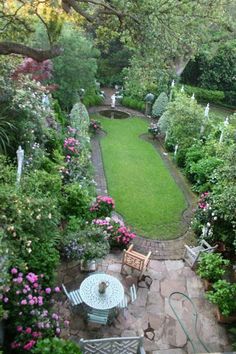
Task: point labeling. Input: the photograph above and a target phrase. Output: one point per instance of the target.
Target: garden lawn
(145, 193)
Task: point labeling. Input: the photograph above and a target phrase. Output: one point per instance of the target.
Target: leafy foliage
(56, 345)
(203, 94)
(72, 75)
(223, 295)
(211, 266)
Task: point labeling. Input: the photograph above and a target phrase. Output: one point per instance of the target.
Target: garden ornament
(182, 88)
(172, 83)
(193, 97)
(20, 159)
(176, 149)
(148, 99)
(226, 123)
(113, 101)
(206, 113)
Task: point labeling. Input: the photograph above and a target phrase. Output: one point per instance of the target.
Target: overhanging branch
(36, 54)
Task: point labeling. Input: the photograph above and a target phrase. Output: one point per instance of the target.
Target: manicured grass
(145, 193)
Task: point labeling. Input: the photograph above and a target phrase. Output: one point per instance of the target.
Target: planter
(224, 319)
(88, 266)
(207, 284)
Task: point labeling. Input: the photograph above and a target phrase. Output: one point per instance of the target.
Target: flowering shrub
(56, 345)
(103, 206)
(71, 146)
(94, 126)
(204, 217)
(154, 130)
(29, 312)
(118, 234)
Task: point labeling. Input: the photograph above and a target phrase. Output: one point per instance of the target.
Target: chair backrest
(97, 318)
(65, 291)
(131, 345)
(134, 259)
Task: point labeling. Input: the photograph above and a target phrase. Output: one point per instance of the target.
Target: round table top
(90, 295)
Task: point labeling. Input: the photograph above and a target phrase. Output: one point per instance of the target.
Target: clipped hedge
(160, 104)
(202, 94)
(92, 100)
(133, 103)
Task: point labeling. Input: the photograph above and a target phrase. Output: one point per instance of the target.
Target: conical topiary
(160, 105)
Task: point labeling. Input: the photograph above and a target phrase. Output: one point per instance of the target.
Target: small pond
(114, 114)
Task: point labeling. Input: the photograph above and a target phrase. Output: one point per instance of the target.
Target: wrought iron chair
(98, 316)
(135, 260)
(73, 296)
(192, 254)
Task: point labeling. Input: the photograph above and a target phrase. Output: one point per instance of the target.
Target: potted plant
(211, 268)
(93, 250)
(223, 295)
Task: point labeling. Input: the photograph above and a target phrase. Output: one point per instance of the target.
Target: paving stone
(195, 287)
(155, 286)
(169, 351)
(169, 286)
(177, 305)
(174, 265)
(156, 321)
(114, 267)
(142, 294)
(128, 333)
(158, 307)
(175, 333)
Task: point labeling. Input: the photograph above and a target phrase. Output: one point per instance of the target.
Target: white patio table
(89, 291)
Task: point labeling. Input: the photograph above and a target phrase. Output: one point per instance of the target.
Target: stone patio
(151, 314)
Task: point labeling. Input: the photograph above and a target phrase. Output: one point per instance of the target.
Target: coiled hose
(195, 315)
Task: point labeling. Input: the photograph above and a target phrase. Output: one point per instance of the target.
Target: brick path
(170, 249)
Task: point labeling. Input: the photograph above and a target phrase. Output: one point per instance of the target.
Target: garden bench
(192, 254)
(121, 345)
(135, 260)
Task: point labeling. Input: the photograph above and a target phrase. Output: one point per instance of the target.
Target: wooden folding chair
(135, 260)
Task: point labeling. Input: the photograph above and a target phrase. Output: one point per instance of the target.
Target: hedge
(133, 103)
(202, 94)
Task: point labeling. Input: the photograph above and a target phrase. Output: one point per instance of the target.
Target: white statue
(182, 88)
(193, 97)
(226, 123)
(176, 149)
(113, 101)
(206, 113)
(173, 83)
(45, 100)
(20, 159)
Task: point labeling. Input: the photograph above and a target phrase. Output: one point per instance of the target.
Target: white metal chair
(98, 316)
(73, 296)
(192, 254)
(133, 293)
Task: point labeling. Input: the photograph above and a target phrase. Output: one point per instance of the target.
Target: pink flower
(57, 289)
(31, 302)
(28, 330)
(29, 345)
(19, 280)
(19, 328)
(58, 331)
(35, 285)
(15, 345)
(5, 299)
(23, 302)
(66, 323)
(48, 290)
(14, 271)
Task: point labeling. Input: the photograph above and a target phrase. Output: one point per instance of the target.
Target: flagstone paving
(151, 314)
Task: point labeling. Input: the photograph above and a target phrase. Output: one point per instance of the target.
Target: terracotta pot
(207, 284)
(224, 319)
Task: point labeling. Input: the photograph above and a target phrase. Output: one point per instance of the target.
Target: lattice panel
(133, 262)
(126, 346)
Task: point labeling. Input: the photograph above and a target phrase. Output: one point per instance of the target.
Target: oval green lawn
(145, 193)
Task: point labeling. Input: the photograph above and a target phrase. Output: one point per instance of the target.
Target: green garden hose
(195, 315)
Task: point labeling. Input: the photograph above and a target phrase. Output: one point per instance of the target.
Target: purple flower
(57, 289)
(5, 299)
(23, 302)
(19, 280)
(31, 302)
(58, 331)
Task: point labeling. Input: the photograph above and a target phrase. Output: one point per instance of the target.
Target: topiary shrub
(160, 105)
